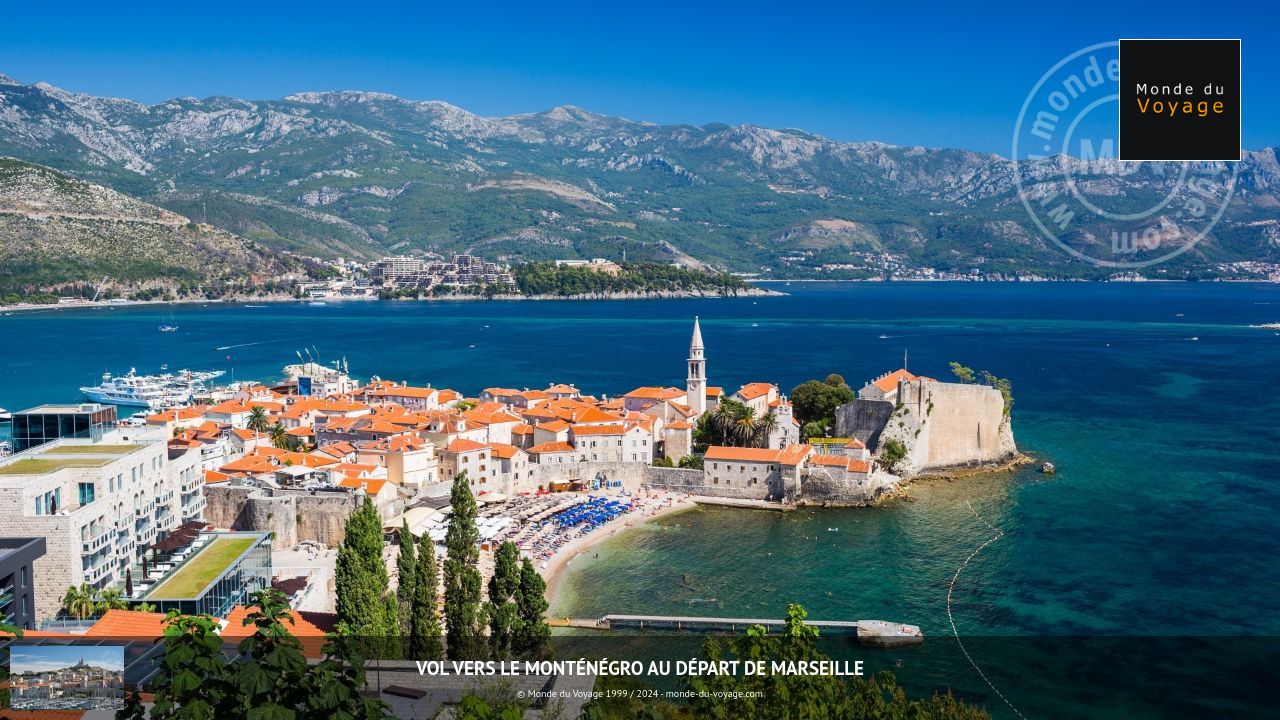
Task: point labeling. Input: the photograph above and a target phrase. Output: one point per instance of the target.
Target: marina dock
(876, 633)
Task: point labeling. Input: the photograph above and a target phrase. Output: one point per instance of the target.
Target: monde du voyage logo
(1174, 134)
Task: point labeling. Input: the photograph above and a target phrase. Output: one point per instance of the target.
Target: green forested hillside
(58, 232)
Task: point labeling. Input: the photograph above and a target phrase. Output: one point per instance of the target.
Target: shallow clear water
(1160, 521)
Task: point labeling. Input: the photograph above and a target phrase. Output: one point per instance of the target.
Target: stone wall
(273, 514)
(224, 504)
(823, 486)
(695, 482)
(864, 420)
(942, 425)
(322, 517)
(295, 516)
(632, 474)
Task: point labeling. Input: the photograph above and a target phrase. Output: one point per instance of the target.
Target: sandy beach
(656, 505)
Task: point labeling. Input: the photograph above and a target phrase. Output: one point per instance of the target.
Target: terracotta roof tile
(889, 382)
(128, 624)
(461, 445)
(550, 447)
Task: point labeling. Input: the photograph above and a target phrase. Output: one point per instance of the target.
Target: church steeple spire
(696, 386)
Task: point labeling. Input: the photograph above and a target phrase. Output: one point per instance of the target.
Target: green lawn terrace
(66, 456)
(216, 573)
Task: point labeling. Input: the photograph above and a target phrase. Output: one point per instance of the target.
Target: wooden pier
(879, 633)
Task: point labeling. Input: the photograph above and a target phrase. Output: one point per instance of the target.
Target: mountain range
(360, 175)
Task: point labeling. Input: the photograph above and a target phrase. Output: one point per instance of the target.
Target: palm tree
(111, 599)
(280, 437)
(764, 427)
(79, 601)
(735, 424)
(258, 420)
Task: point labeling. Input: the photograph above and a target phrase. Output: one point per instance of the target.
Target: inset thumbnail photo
(65, 677)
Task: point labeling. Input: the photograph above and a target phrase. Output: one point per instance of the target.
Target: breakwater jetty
(875, 633)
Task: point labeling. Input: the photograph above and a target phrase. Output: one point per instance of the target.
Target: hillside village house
(775, 471)
(410, 461)
(613, 442)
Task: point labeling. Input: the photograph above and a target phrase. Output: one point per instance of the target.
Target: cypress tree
(532, 639)
(407, 567)
(464, 636)
(503, 611)
(424, 619)
(360, 577)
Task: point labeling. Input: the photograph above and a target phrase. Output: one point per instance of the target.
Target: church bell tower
(696, 386)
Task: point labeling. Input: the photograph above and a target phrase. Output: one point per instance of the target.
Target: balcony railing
(193, 508)
(193, 484)
(145, 509)
(96, 542)
(99, 571)
(165, 497)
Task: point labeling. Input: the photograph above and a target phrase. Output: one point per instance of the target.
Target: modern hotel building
(99, 503)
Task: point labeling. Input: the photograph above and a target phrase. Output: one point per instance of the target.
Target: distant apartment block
(403, 272)
(98, 503)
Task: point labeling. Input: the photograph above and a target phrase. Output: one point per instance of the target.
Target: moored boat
(149, 391)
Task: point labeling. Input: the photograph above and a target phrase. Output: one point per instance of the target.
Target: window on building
(86, 492)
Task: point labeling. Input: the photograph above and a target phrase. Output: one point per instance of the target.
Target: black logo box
(1187, 68)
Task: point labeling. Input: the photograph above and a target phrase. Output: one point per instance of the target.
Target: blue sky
(39, 658)
(910, 73)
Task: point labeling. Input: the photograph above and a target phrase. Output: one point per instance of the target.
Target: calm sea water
(1157, 403)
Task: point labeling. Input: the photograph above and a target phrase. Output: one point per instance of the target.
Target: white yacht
(149, 391)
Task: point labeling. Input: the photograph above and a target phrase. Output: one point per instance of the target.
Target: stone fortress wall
(293, 516)
(942, 425)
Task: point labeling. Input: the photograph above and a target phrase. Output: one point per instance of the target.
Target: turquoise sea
(1149, 561)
